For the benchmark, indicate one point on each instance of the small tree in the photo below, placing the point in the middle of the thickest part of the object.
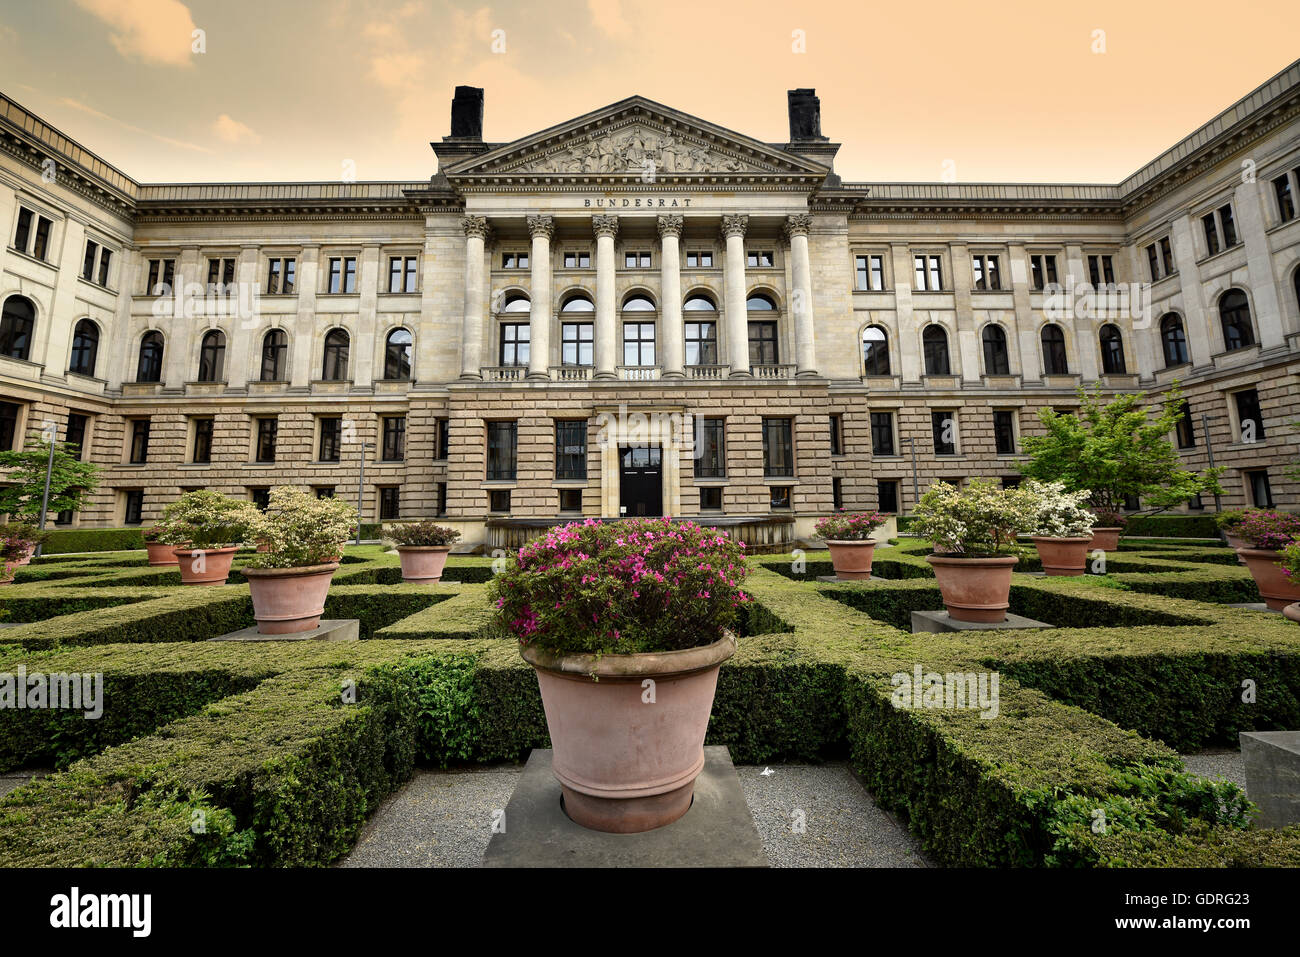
(1115, 450)
(71, 480)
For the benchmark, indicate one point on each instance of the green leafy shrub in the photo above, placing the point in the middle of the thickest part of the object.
(845, 527)
(300, 529)
(206, 519)
(421, 533)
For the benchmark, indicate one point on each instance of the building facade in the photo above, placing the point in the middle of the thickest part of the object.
(639, 312)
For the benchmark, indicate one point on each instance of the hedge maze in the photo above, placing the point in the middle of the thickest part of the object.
(273, 754)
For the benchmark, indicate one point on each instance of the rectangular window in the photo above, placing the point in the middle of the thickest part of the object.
(1186, 429)
(221, 272)
(1101, 270)
(203, 441)
(343, 275)
(88, 265)
(515, 339)
(1042, 271)
(636, 260)
(871, 272)
(577, 343)
(139, 441)
(1004, 431)
(570, 500)
(1261, 493)
(571, 450)
(499, 500)
(1010, 481)
(711, 449)
(41, 244)
(260, 496)
(638, 343)
(882, 433)
(1281, 189)
(711, 498)
(1211, 233)
(501, 448)
(280, 276)
(988, 275)
(837, 492)
(134, 506)
(394, 438)
(162, 273)
(944, 427)
(267, 432)
(929, 273)
(577, 259)
(701, 343)
(837, 434)
(442, 498)
(77, 424)
(8, 426)
(699, 259)
(762, 344)
(331, 438)
(1153, 262)
(1229, 227)
(105, 260)
(760, 259)
(1250, 421)
(887, 497)
(23, 232)
(1196, 503)
(444, 439)
(778, 448)
(390, 502)
(324, 491)
(779, 496)
(402, 273)
(514, 260)
(1167, 256)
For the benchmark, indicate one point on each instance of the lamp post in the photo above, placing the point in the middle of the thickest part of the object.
(1209, 450)
(916, 487)
(50, 433)
(361, 485)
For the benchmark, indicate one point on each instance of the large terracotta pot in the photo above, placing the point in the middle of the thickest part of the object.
(626, 764)
(852, 560)
(26, 557)
(289, 600)
(1107, 539)
(423, 564)
(205, 566)
(975, 589)
(1275, 588)
(1292, 611)
(1063, 556)
(161, 553)
(1235, 543)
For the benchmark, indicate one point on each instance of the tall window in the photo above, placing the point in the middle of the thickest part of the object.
(390, 502)
(988, 275)
(997, 361)
(870, 272)
(501, 450)
(16, 324)
(212, 356)
(571, 449)
(1160, 259)
(1219, 224)
(1042, 271)
(221, 273)
(139, 441)
(1250, 419)
(1112, 350)
(934, 343)
(267, 432)
(837, 434)
(203, 440)
(402, 273)
(1004, 431)
(887, 496)
(133, 506)
(394, 445)
(335, 368)
(397, 355)
(1186, 428)
(944, 427)
(711, 449)
(1101, 270)
(514, 343)
(762, 344)
(162, 274)
(85, 348)
(1173, 340)
(149, 368)
(701, 331)
(638, 343)
(343, 275)
(778, 448)
(1261, 494)
(882, 433)
(331, 438)
(8, 426)
(280, 276)
(928, 272)
(88, 264)
(76, 435)
(577, 342)
(1285, 193)
(32, 241)
(1234, 315)
(275, 345)
(1054, 358)
(875, 351)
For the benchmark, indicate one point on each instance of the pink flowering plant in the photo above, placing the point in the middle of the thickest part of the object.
(1268, 530)
(1290, 562)
(640, 585)
(849, 527)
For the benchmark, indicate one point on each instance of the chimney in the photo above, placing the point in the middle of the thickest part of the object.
(805, 116)
(467, 113)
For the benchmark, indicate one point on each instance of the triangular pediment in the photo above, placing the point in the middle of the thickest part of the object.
(635, 137)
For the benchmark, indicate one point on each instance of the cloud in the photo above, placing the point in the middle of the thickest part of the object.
(231, 130)
(82, 107)
(608, 16)
(153, 31)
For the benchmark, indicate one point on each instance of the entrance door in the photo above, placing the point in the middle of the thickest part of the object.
(641, 488)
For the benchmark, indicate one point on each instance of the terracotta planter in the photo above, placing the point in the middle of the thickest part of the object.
(852, 560)
(626, 765)
(7, 573)
(1235, 543)
(975, 589)
(263, 547)
(1292, 611)
(1275, 588)
(1107, 539)
(1063, 556)
(423, 564)
(26, 557)
(160, 553)
(214, 562)
(289, 600)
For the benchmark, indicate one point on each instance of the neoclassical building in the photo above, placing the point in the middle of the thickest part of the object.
(639, 312)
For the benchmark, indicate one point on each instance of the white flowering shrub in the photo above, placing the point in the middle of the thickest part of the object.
(980, 521)
(299, 529)
(206, 519)
(1058, 513)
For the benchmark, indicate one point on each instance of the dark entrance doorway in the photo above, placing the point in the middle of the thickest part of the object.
(641, 489)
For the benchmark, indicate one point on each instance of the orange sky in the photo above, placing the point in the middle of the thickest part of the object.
(295, 90)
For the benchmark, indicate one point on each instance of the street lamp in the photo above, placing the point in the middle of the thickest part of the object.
(50, 433)
(361, 485)
(916, 487)
(1209, 450)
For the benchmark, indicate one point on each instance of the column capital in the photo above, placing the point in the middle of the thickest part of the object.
(797, 225)
(670, 225)
(735, 225)
(543, 226)
(476, 226)
(605, 226)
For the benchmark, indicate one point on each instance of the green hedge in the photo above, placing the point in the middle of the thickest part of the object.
(1154, 526)
(64, 540)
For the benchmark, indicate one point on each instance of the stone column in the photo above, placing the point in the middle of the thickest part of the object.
(670, 306)
(735, 315)
(801, 302)
(1252, 228)
(606, 228)
(542, 229)
(471, 336)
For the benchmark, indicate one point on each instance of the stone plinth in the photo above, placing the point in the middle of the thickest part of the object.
(1272, 760)
(341, 629)
(940, 621)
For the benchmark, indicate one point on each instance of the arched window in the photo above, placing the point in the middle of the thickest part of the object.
(397, 355)
(996, 359)
(85, 348)
(1234, 314)
(701, 330)
(335, 368)
(764, 349)
(935, 343)
(638, 333)
(702, 303)
(1054, 358)
(212, 356)
(16, 325)
(275, 345)
(1174, 340)
(760, 303)
(875, 351)
(578, 304)
(517, 303)
(1112, 350)
(149, 368)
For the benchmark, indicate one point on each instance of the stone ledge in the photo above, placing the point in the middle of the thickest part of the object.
(341, 629)
(937, 621)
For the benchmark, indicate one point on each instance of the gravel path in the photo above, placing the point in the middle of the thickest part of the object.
(1221, 764)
